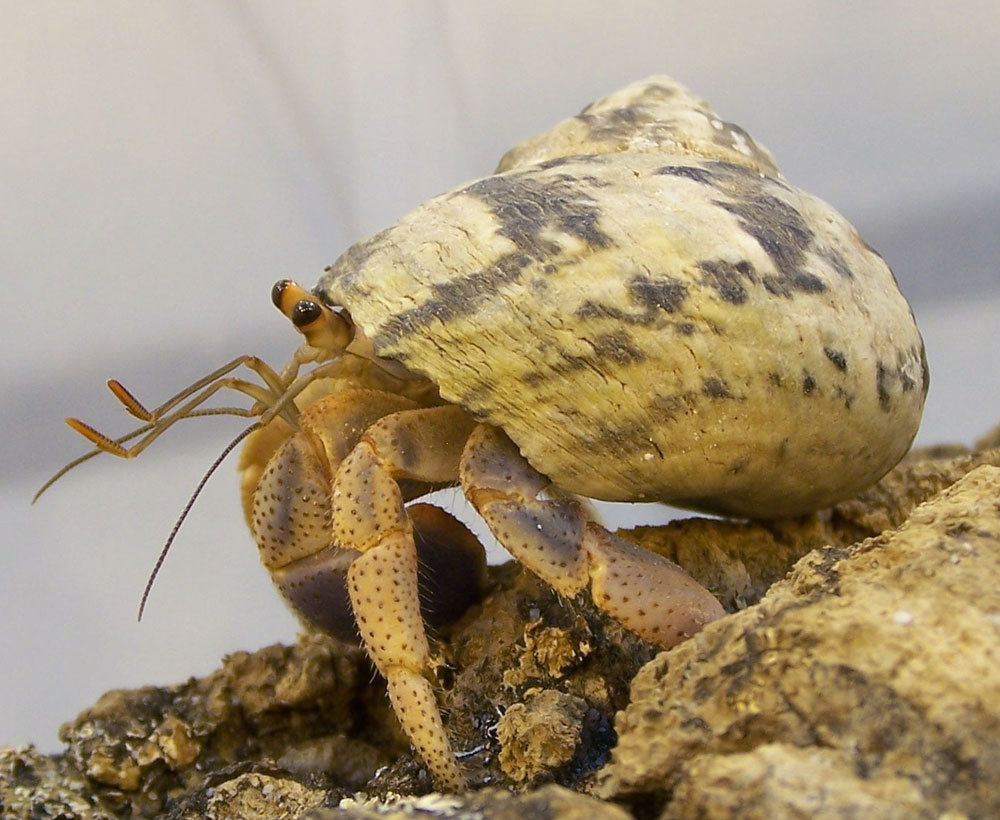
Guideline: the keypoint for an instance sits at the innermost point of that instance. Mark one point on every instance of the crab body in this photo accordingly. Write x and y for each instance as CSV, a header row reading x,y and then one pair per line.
x,y
635,307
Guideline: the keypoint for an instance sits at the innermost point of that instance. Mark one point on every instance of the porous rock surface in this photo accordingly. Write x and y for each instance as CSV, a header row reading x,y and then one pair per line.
x,y
865,684
545,803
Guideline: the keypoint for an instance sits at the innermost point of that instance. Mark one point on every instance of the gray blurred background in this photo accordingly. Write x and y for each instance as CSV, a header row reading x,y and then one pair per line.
x,y
162,163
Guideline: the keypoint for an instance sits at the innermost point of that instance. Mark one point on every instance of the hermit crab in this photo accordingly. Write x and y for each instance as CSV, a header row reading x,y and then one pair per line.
x,y
636,306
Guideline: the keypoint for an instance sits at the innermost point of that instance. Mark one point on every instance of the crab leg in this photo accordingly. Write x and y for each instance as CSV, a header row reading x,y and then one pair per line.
x,y
647,593
369,516
160,425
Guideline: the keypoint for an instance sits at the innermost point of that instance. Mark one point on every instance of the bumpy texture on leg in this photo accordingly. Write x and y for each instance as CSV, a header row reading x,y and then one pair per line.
x,y
369,516
553,538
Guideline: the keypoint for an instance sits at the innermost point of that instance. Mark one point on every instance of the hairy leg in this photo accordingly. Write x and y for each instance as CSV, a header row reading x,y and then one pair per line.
x,y
553,538
369,516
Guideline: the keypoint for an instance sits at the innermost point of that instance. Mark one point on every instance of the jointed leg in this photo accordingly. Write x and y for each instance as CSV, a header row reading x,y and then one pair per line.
x,y
369,516
275,397
553,538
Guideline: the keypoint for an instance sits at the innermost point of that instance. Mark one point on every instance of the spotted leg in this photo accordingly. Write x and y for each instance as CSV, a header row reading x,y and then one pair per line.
x,y
554,539
369,516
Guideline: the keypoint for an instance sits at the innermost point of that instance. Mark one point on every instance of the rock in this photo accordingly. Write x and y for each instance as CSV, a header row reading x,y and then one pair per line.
x,y
989,440
349,761
540,734
144,748
253,795
780,781
862,685
884,657
524,640
888,503
546,803
35,786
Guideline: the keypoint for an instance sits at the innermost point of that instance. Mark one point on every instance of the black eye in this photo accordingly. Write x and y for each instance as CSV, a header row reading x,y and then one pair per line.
x,y
278,290
305,312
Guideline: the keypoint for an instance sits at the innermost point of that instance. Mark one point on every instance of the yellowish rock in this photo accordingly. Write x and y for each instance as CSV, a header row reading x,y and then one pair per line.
x,y
885,654
540,734
258,795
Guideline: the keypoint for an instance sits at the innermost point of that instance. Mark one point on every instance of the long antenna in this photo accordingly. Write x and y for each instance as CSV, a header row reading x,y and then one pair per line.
x,y
187,508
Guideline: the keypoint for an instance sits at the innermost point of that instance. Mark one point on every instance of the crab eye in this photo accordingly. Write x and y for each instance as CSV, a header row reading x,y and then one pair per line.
x,y
305,313
296,302
278,290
